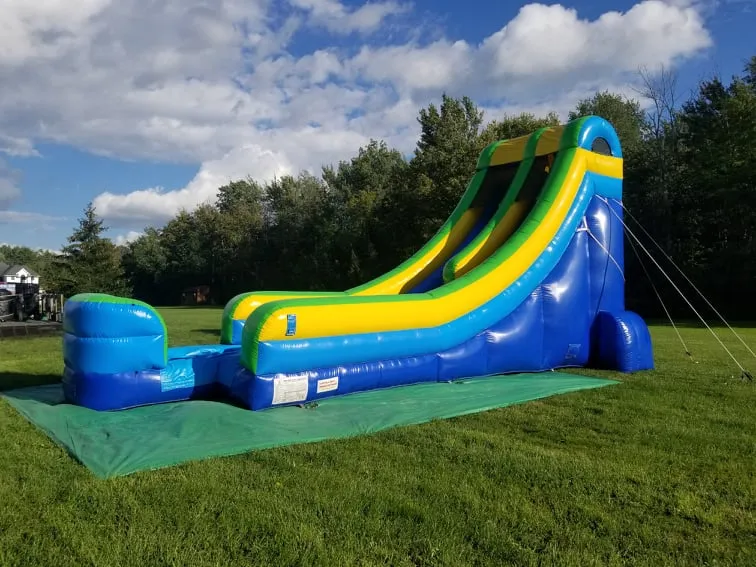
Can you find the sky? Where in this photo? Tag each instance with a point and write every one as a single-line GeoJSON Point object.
{"type": "Point", "coordinates": [145, 107]}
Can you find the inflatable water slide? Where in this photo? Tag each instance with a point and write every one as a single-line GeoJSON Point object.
{"type": "Point", "coordinates": [526, 275]}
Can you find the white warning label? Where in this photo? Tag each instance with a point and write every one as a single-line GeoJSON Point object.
{"type": "Point", "coordinates": [328, 385]}
{"type": "Point", "coordinates": [289, 389]}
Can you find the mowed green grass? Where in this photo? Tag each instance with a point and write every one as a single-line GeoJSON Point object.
{"type": "Point", "coordinates": [659, 470]}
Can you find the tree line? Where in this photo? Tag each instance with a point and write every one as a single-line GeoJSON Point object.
{"type": "Point", "coordinates": [690, 182]}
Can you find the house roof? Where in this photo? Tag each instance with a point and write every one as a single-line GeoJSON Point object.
{"type": "Point", "coordinates": [13, 270]}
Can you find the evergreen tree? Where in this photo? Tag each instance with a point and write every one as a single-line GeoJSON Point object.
{"type": "Point", "coordinates": [90, 262]}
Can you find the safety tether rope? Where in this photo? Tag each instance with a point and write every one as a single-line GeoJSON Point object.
{"type": "Point", "coordinates": [658, 296]}
{"type": "Point", "coordinates": [688, 280]}
{"type": "Point", "coordinates": [584, 228]}
{"type": "Point", "coordinates": [745, 373]}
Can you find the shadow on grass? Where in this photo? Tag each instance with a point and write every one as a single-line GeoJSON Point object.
{"type": "Point", "coordinates": [20, 331]}
{"type": "Point", "coordinates": [713, 322]}
{"type": "Point", "coordinates": [215, 331]}
{"type": "Point", "coordinates": [53, 396]}
{"type": "Point", "coordinates": [13, 380]}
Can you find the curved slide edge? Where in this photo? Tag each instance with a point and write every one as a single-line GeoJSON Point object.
{"type": "Point", "coordinates": [241, 306]}
{"type": "Point", "coordinates": [426, 264]}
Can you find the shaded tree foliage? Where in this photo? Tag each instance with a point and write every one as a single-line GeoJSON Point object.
{"type": "Point", "coordinates": [516, 125]}
{"type": "Point", "coordinates": [690, 179]}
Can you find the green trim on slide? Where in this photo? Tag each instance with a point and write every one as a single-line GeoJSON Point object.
{"type": "Point", "coordinates": [450, 268]}
{"type": "Point", "coordinates": [568, 150]}
{"type": "Point", "coordinates": [227, 319]}
{"type": "Point", "coordinates": [115, 300]}
{"type": "Point", "coordinates": [571, 134]}
{"type": "Point", "coordinates": [554, 183]}
{"type": "Point", "coordinates": [463, 205]}
{"type": "Point", "coordinates": [484, 159]}
{"type": "Point", "coordinates": [106, 298]}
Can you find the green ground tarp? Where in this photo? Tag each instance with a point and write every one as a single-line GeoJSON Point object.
{"type": "Point", "coordinates": [119, 443]}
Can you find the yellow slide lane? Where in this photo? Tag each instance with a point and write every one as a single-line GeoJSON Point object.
{"type": "Point", "coordinates": [495, 234]}
{"type": "Point", "coordinates": [478, 287]}
{"type": "Point", "coordinates": [432, 256]}
{"type": "Point", "coordinates": [482, 248]}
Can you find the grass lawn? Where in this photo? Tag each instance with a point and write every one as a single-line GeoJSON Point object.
{"type": "Point", "coordinates": [659, 470]}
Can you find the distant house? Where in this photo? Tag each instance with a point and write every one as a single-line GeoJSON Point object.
{"type": "Point", "coordinates": [10, 275]}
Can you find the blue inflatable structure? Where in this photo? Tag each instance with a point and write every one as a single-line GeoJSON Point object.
{"type": "Point", "coordinates": [533, 280]}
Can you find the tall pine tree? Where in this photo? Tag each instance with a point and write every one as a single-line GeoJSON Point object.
{"type": "Point", "coordinates": [90, 262]}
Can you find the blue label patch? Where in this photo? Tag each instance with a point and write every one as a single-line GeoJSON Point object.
{"type": "Point", "coordinates": [177, 376]}
{"type": "Point", "coordinates": [291, 325]}
{"type": "Point", "coordinates": [572, 351]}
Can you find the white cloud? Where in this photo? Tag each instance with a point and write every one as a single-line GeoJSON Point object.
{"type": "Point", "coordinates": [542, 51]}
{"type": "Point", "coordinates": [130, 236]}
{"type": "Point", "coordinates": [143, 206]}
{"type": "Point", "coordinates": [338, 19]}
{"type": "Point", "coordinates": [213, 83]}
{"type": "Point", "coordinates": [563, 102]}
{"type": "Point", "coordinates": [17, 147]}
{"type": "Point", "coordinates": [156, 205]}
{"type": "Point", "coordinates": [653, 31]}
{"type": "Point", "coordinates": [440, 65]}
{"type": "Point", "coordinates": [9, 190]}
{"type": "Point", "coordinates": [123, 77]}
{"type": "Point", "coordinates": [21, 217]}
{"type": "Point", "coordinates": [44, 29]}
